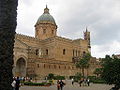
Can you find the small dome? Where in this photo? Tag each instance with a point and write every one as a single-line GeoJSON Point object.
{"type": "Point", "coordinates": [46, 17]}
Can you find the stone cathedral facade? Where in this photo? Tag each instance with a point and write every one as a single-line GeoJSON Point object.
{"type": "Point", "coordinates": [47, 52]}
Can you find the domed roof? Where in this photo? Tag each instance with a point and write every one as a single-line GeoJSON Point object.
{"type": "Point", "coordinates": [46, 17]}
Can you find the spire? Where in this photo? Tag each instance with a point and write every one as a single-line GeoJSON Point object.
{"type": "Point", "coordinates": [86, 29]}
{"type": "Point", "coordinates": [46, 10]}
{"type": "Point", "coordinates": [46, 5]}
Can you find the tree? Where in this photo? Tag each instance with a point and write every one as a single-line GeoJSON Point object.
{"type": "Point", "coordinates": [50, 76]}
{"type": "Point", "coordinates": [98, 71]}
{"type": "Point", "coordinates": [83, 63]}
{"type": "Point", "coordinates": [77, 77]}
{"type": "Point", "coordinates": [8, 24]}
{"type": "Point", "coordinates": [111, 71]}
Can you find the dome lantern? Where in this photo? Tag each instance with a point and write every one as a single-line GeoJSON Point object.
{"type": "Point", "coordinates": [46, 10]}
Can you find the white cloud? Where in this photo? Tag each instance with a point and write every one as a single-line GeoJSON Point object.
{"type": "Point", "coordinates": [72, 16]}
{"type": "Point", "coordinates": [106, 49]}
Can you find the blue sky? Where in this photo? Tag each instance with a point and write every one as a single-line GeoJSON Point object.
{"type": "Point", "coordinates": [102, 17]}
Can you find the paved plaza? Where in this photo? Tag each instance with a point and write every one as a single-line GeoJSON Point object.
{"type": "Point", "coordinates": [68, 86]}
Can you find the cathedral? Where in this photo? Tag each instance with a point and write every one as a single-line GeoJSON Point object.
{"type": "Point", "coordinates": [47, 52]}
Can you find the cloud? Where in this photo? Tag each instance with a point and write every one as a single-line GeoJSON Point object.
{"type": "Point", "coordinates": [72, 17]}
{"type": "Point", "coordinates": [106, 49]}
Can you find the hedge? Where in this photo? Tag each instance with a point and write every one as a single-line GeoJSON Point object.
{"type": "Point", "coordinates": [37, 84]}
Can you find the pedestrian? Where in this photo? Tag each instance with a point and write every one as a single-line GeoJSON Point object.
{"type": "Point", "coordinates": [88, 82]}
{"type": "Point", "coordinates": [14, 83]}
{"type": "Point", "coordinates": [17, 86]}
{"type": "Point", "coordinates": [81, 81]}
{"type": "Point", "coordinates": [72, 81]}
{"type": "Point", "coordinates": [85, 82]}
{"type": "Point", "coordinates": [61, 85]}
{"type": "Point", "coordinates": [58, 85]}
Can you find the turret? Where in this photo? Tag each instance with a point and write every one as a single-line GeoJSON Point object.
{"type": "Point", "coordinates": [87, 38]}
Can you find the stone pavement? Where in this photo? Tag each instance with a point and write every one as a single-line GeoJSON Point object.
{"type": "Point", "coordinates": [92, 87]}
{"type": "Point", "coordinates": [68, 86]}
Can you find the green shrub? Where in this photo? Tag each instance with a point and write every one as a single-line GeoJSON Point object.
{"type": "Point", "coordinates": [50, 76]}
{"type": "Point", "coordinates": [92, 78]}
{"type": "Point", "coordinates": [36, 84]}
{"type": "Point", "coordinates": [59, 78]}
{"type": "Point", "coordinates": [95, 79]}
{"type": "Point", "coordinates": [99, 81]}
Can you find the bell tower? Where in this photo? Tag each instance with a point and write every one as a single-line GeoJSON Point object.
{"type": "Point", "coordinates": [45, 26]}
{"type": "Point", "coordinates": [87, 38]}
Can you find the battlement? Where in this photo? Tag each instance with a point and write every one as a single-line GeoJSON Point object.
{"type": "Point", "coordinates": [78, 39]}
{"type": "Point", "coordinates": [21, 36]}
{"type": "Point", "coordinates": [64, 39]}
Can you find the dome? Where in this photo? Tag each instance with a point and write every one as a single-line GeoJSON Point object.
{"type": "Point", "coordinates": [46, 17]}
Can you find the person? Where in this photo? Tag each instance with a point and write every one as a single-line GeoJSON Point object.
{"type": "Point", "coordinates": [13, 83]}
{"type": "Point", "coordinates": [85, 82]}
{"type": "Point", "coordinates": [81, 81]}
{"type": "Point", "coordinates": [61, 84]}
{"type": "Point", "coordinates": [58, 85]}
{"type": "Point", "coordinates": [17, 86]}
{"type": "Point", "coordinates": [24, 79]}
{"type": "Point", "coordinates": [88, 82]}
{"type": "Point", "coordinates": [72, 81]}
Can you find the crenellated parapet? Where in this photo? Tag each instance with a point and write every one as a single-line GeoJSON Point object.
{"type": "Point", "coordinates": [78, 39]}
{"type": "Point", "coordinates": [21, 36]}
{"type": "Point", "coordinates": [75, 42]}
{"type": "Point", "coordinates": [63, 39]}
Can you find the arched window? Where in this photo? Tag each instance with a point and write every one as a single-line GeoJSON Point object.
{"type": "Point", "coordinates": [84, 53]}
{"type": "Point", "coordinates": [76, 52]}
{"type": "Point", "coordinates": [65, 67]}
{"type": "Point", "coordinates": [63, 51]}
{"type": "Point", "coordinates": [37, 51]}
{"type": "Point", "coordinates": [52, 31]}
{"type": "Point", "coordinates": [44, 65]}
{"type": "Point", "coordinates": [59, 67]}
{"type": "Point", "coordinates": [38, 65]}
{"type": "Point", "coordinates": [46, 51]}
{"type": "Point", "coordinates": [73, 53]}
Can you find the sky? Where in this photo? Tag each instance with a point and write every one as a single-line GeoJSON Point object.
{"type": "Point", "coordinates": [101, 17]}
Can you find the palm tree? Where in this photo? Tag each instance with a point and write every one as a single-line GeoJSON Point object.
{"type": "Point", "coordinates": [83, 63]}
{"type": "Point", "coordinates": [8, 24]}
{"type": "Point", "coordinates": [98, 71]}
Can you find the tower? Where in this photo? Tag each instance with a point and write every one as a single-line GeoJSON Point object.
{"type": "Point", "coordinates": [45, 26]}
{"type": "Point", "coordinates": [87, 38]}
